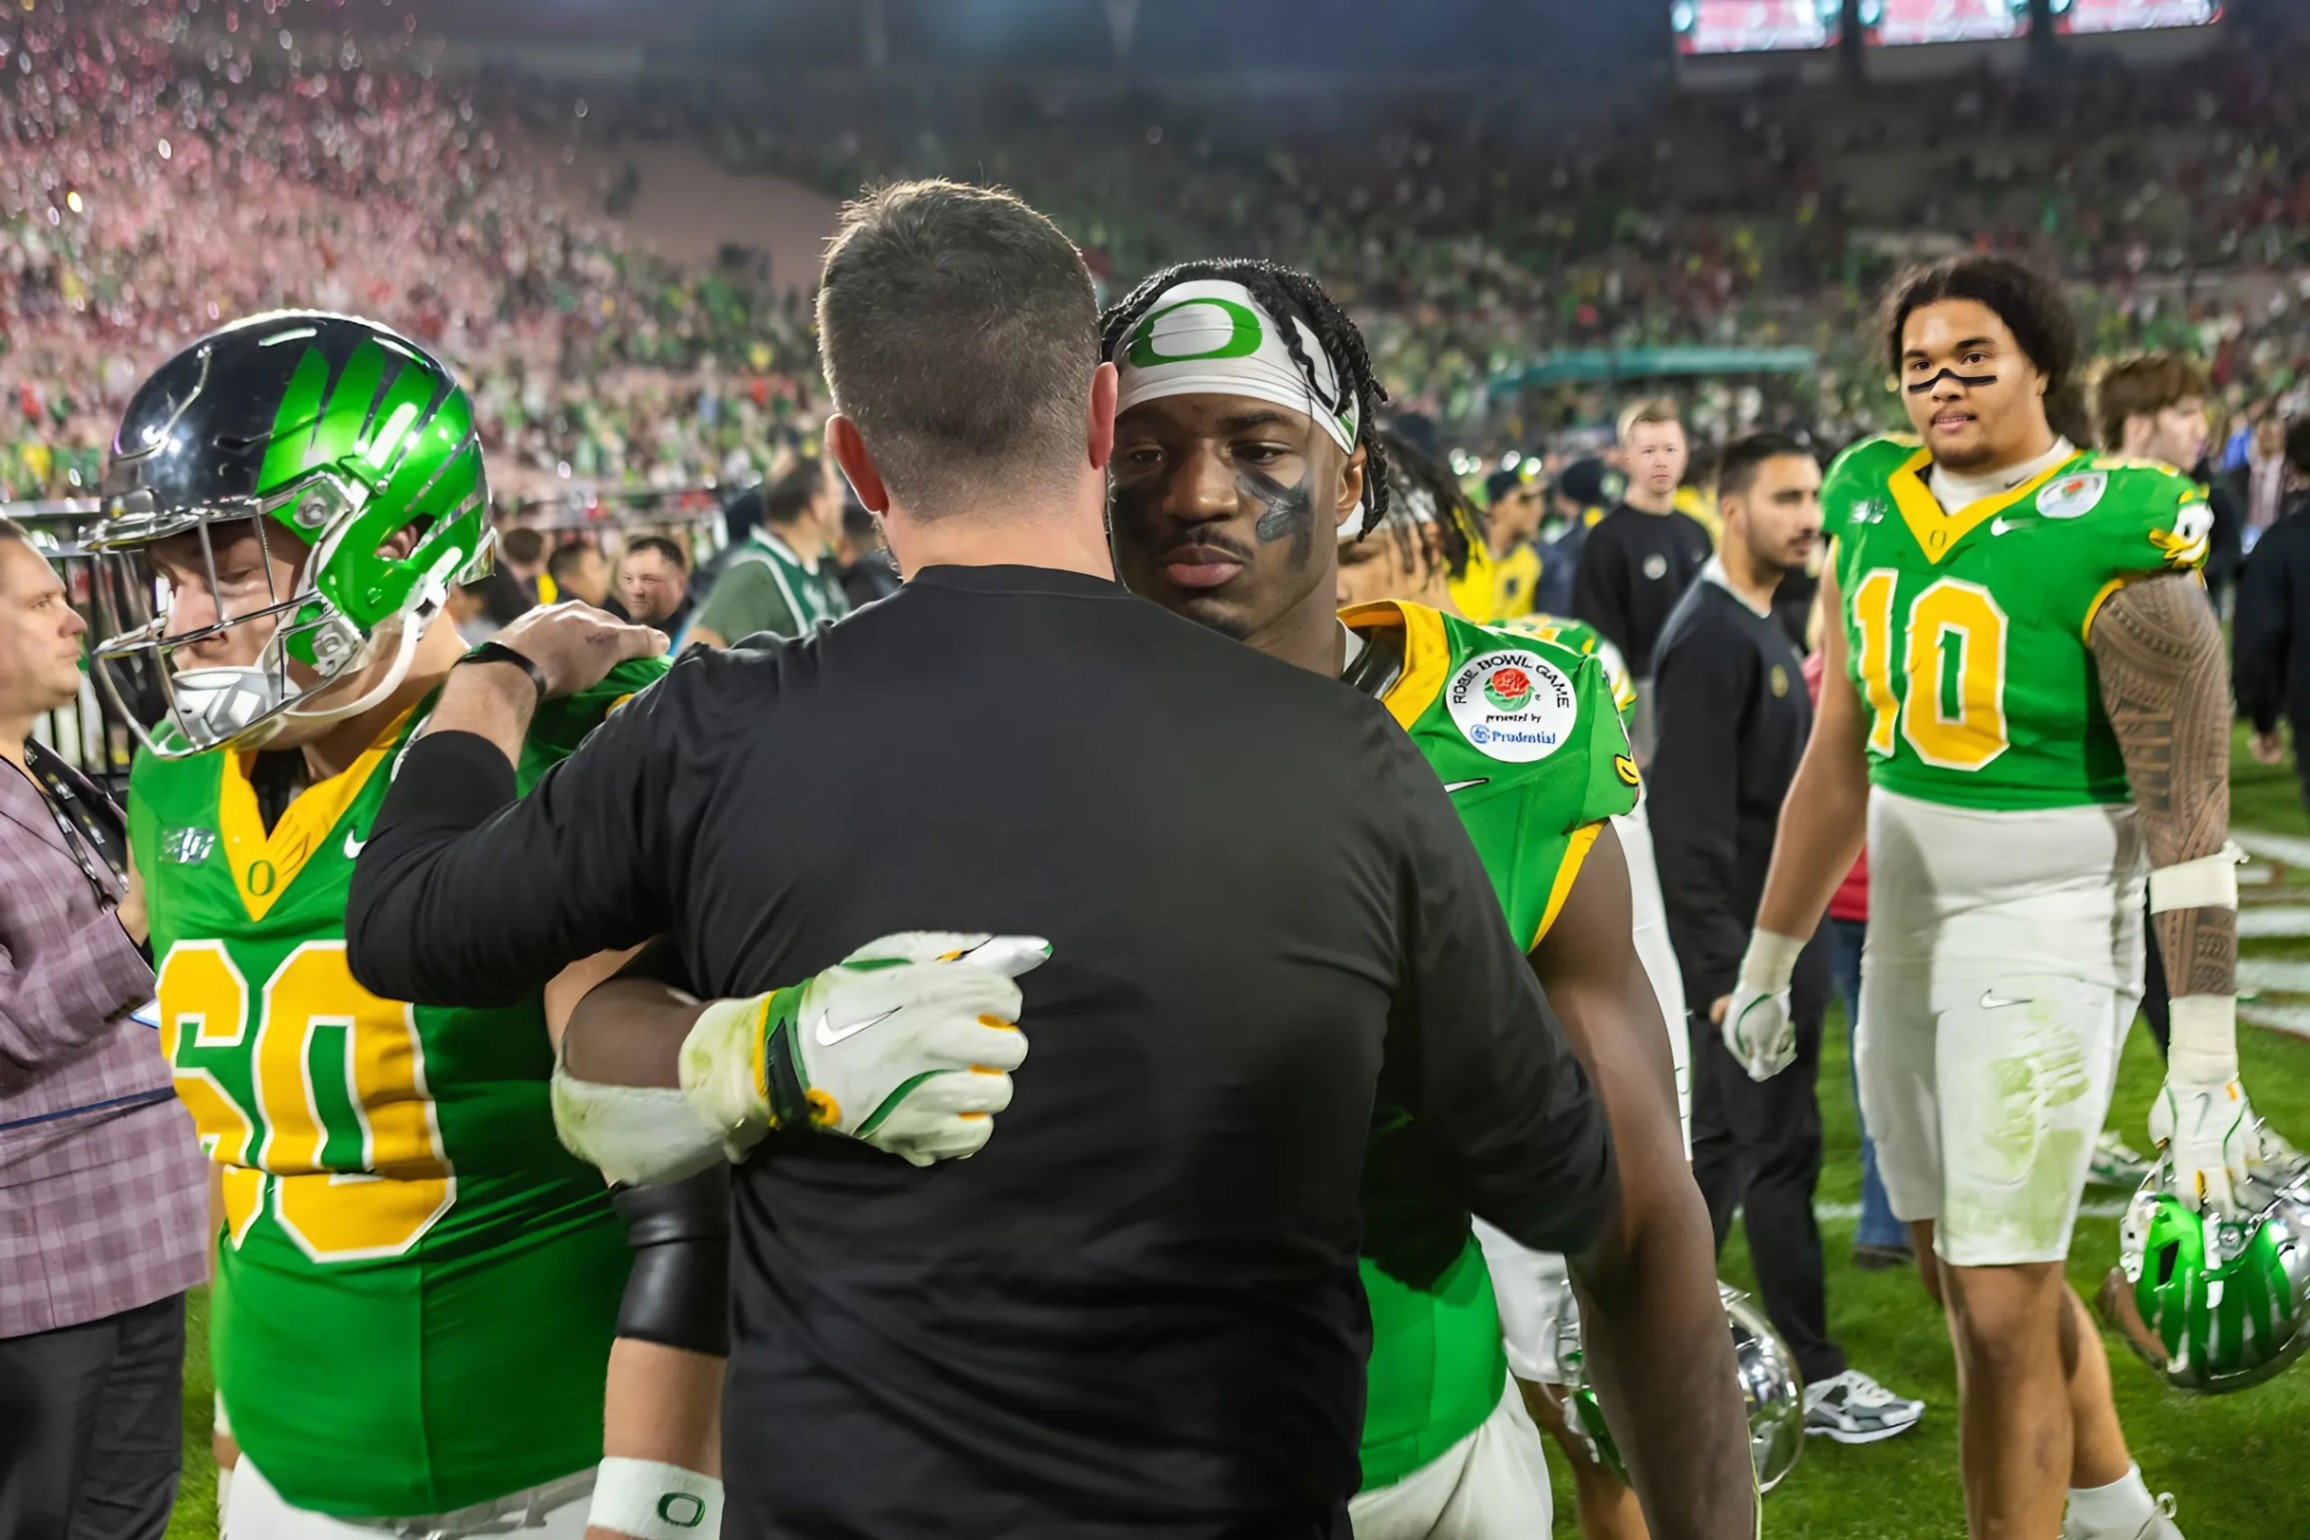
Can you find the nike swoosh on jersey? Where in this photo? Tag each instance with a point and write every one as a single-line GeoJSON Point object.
{"type": "Point", "coordinates": [354, 845]}
{"type": "Point", "coordinates": [1998, 526]}
{"type": "Point", "coordinates": [1991, 1000]}
{"type": "Point", "coordinates": [1454, 788]}
{"type": "Point", "coordinates": [827, 1037]}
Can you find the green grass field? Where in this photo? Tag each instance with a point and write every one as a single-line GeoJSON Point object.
{"type": "Point", "coordinates": [2240, 1465]}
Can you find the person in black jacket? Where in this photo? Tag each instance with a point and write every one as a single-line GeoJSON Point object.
{"type": "Point", "coordinates": [2270, 646]}
{"type": "Point", "coordinates": [1733, 717]}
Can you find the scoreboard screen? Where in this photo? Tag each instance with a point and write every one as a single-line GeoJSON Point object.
{"type": "Point", "coordinates": [2081, 16]}
{"type": "Point", "coordinates": [1755, 26]}
{"type": "Point", "coordinates": [1900, 22]}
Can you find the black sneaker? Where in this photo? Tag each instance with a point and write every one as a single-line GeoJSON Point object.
{"type": "Point", "coordinates": [1855, 1409]}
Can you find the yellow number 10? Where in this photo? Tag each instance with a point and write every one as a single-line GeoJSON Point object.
{"type": "Point", "coordinates": [388, 1179]}
{"type": "Point", "coordinates": [1960, 729]}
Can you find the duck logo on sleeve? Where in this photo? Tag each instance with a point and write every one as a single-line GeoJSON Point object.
{"type": "Point", "coordinates": [1513, 706]}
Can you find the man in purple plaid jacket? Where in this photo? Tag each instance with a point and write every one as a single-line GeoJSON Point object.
{"type": "Point", "coordinates": [103, 1196]}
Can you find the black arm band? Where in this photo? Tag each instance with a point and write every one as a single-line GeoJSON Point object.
{"type": "Point", "coordinates": [678, 1293]}
{"type": "Point", "coordinates": [498, 652]}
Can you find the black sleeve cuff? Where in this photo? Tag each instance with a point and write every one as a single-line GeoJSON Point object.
{"type": "Point", "coordinates": [449, 779]}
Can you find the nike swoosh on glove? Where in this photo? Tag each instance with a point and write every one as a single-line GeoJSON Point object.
{"type": "Point", "coordinates": [1758, 1031]}
{"type": "Point", "coordinates": [2207, 1134]}
{"type": "Point", "coordinates": [907, 1044]}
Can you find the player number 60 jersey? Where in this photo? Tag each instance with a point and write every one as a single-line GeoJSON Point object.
{"type": "Point", "coordinates": [1966, 629]}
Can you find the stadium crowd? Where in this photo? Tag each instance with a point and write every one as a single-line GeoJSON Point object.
{"type": "Point", "coordinates": [1476, 236]}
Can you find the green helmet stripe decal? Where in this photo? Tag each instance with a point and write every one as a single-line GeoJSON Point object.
{"type": "Point", "coordinates": [411, 392]}
{"type": "Point", "coordinates": [339, 428]}
{"type": "Point", "coordinates": [286, 457]}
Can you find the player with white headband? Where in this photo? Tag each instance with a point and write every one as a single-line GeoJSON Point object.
{"type": "Point", "coordinates": [1244, 455]}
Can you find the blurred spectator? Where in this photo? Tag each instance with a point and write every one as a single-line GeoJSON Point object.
{"type": "Point", "coordinates": [1580, 497]}
{"type": "Point", "coordinates": [868, 572]}
{"type": "Point", "coordinates": [1640, 559]}
{"type": "Point", "coordinates": [2271, 639]}
{"type": "Point", "coordinates": [580, 571]}
{"type": "Point", "coordinates": [106, 1191]}
{"type": "Point", "coordinates": [654, 584]}
{"type": "Point", "coordinates": [1514, 503]}
{"type": "Point", "coordinates": [783, 579]}
{"type": "Point", "coordinates": [2260, 484]}
{"type": "Point", "coordinates": [521, 561]}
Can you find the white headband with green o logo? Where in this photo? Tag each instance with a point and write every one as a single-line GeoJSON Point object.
{"type": "Point", "coordinates": [1209, 337]}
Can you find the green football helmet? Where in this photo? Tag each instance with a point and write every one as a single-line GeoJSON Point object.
{"type": "Point", "coordinates": [1770, 1386]}
{"type": "Point", "coordinates": [333, 431]}
{"type": "Point", "coordinates": [2214, 1304]}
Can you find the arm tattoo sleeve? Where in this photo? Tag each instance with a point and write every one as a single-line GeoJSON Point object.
{"type": "Point", "coordinates": [2165, 681]}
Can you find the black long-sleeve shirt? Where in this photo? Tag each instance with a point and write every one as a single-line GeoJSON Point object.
{"type": "Point", "coordinates": [1137, 1311]}
{"type": "Point", "coordinates": [1634, 567]}
{"type": "Point", "coordinates": [1732, 713]}
{"type": "Point", "coordinates": [2270, 634]}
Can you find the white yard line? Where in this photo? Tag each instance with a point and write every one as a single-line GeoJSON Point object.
{"type": "Point", "coordinates": [2290, 849]}
{"type": "Point", "coordinates": [2273, 922]}
{"type": "Point", "coordinates": [2099, 1209]}
{"type": "Point", "coordinates": [2293, 1020]}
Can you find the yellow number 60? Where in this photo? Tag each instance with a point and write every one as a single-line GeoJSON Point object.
{"type": "Point", "coordinates": [387, 1179]}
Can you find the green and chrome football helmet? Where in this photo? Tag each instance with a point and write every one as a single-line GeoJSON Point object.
{"type": "Point", "coordinates": [327, 436]}
{"type": "Point", "coordinates": [2214, 1304]}
{"type": "Point", "coordinates": [1771, 1389]}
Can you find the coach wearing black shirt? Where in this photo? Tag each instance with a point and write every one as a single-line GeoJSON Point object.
{"type": "Point", "coordinates": [1136, 1311]}
{"type": "Point", "coordinates": [1642, 556]}
{"type": "Point", "coordinates": [1733, 718]}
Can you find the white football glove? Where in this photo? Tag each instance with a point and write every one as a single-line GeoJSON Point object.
{"type": "Point", "coordinates": [2208, 1134]}
{"type": "Point", "coordinates": [2201, 1119]}
{"type": "Point", "coordinates": [1758, 1030]}
{"type": "Point", "coordinates": [907, 1044]}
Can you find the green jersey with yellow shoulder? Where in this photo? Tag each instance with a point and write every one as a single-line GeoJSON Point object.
{"type": "Point", "coordinates": [1967, 628]}
{"type": "Point", "coordinates": [416, 1285]}
{"type": "Point", "coordinates": [1524, 735]}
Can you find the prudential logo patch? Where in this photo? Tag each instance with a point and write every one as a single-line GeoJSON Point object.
{"type": "Point", "coordinates": [1513, 706]}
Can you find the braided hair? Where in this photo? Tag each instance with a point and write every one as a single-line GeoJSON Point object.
{"type": "Point", "coordinates": [1460, 524]}
{"type": "Point", "coordinates": [1286, 294]}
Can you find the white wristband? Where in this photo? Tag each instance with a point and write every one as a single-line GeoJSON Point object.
{"type": "Point", "coordinates": [1771, 961]}
{"type": "Point", "coordinates": [2204, 1047]}
{"type": "Point", "coordinates": [653, 1501]}
{"type": "Point", "coordinates": [2209, 882]}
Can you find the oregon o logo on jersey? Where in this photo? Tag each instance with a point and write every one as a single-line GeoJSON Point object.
{"type": "Point", "coordinates": [1512, 706]}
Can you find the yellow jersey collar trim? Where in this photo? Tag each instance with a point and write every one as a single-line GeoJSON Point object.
{"type": "Point", "coordinates": [1427, 653]}
{"type": "Point", "coordinates": [1936, 530]}
{"type": "Point", "coordinates": [264, 865]}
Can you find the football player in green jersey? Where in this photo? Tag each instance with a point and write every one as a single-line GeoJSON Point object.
{"type": "Point", "coordinates": [2026, 712]}
{"type": "Point", "coordinates": [1413, 561]}
{"type": "Point", "coordinates": [1244, 447]}
{"type": "Point", "coordinates": [417, 1288]}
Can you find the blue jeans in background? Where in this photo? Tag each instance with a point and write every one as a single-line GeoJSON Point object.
{"type": "Point", "coordinates": [1878, 1226]}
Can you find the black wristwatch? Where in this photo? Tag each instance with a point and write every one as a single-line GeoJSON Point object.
{"type": "Point", "coordinates": [498, 652]}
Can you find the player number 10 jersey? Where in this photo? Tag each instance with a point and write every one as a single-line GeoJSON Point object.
{"type": "Point", "coordinates": [1967, 630]}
